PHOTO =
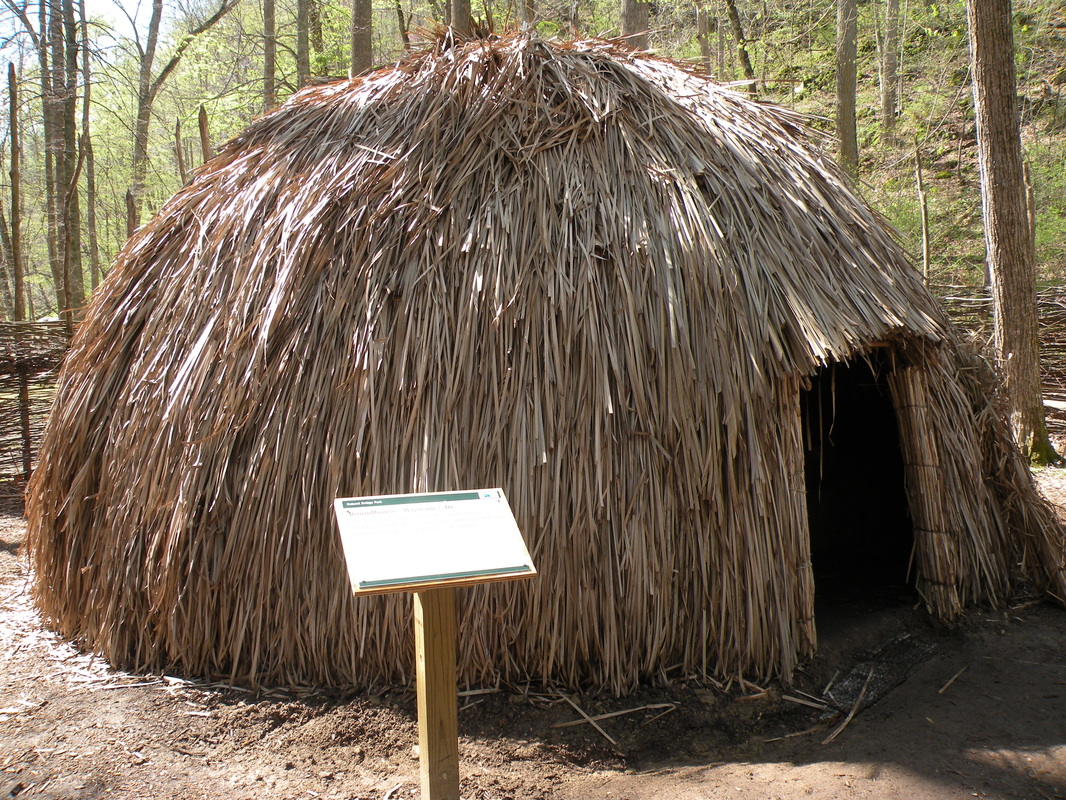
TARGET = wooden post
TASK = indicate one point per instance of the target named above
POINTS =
(205, 138)
(24, 420)
(179, 153)
(438, 728)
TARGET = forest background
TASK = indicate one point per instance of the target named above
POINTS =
(111, 107)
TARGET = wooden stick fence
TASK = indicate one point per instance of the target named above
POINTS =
(971, 308)
(30, 353)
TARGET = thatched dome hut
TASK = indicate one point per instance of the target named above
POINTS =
(642, 304)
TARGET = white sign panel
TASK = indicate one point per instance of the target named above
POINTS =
(416, 541)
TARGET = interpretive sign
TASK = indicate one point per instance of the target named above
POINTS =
(421, 541)
(429, 544)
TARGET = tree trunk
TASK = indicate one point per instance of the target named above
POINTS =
(889, 68)
(131, 214)
(144, 111)
(742, 43)
(179, 154)
(635, 23)
(51, 42)
(74, 158)
(303, 53)
(362, 42)
(402, 24)
(270, 52)
(18, 277)
(462, 23)
(527, 10)
(90, 161)
(703, 33)
(205, 134)
(7, 279)
(314, 28)
(847, 47)
(148, 89)
(1010, 250)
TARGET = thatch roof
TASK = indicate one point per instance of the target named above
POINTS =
(587, 276)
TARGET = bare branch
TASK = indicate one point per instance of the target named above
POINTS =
(226, 7)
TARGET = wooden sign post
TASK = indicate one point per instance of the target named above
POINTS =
(438, 724)
(430, 544)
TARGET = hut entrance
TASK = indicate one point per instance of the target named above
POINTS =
(860, 528)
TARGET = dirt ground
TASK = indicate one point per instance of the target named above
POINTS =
(978, 710)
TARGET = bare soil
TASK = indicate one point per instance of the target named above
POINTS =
(977, 710)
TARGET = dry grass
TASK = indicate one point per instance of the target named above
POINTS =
(588, 277)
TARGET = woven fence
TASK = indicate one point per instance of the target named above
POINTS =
(30, 353)
(971, 308)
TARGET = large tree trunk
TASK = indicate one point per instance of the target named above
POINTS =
(635, 23)
(1011, 252)
(362, 40)
(742, 43)
(847, 47)
(889, 68)
(461, 20)
(270, 51)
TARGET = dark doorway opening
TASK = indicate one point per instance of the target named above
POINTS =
(860, 526)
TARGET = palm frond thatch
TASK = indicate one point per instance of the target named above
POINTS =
(586, 276)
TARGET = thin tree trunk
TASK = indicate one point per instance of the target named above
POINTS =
(362, 52)
(1011, 254)
(635, 23)
(73, 156)
(527, 10)
(923, 206)
(889, 69)
(314, 28)
(721, 49)
(179, 153)
(703, 33)
(18, 277)
(51, 40)
(131, 214)
(205, 134)
(847, 51)
(7, 278)
(742, 43)
(270, 51)
(144, 111)
(303, 54)
(148, 89)
(402, 25)
(90, 161)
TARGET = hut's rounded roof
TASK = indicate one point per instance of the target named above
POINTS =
(586, 275)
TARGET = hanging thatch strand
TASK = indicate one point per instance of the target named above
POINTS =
(586, 276)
